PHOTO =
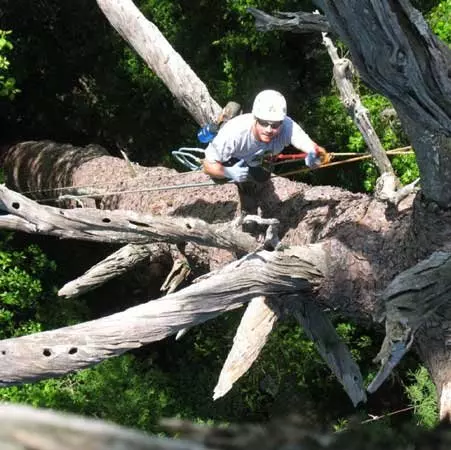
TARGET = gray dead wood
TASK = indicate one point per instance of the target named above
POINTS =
(388, 185)
(57, 352)
(300, 22)
(24, 427)
(114, 265)
(121, 226)
(157, 52)
(343, 71)
(406, 304)
(11, 222)
(333, 350)
(251, 336)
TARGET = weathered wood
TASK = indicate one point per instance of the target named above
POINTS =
(54, 353)
(121, 226)
(406, 304)
(24, 427)
(168, 65)
(112, 266)
(333, 350)
(251, 336)
(343, 75)
(299, 22)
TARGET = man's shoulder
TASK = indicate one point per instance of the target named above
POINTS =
(239, 124)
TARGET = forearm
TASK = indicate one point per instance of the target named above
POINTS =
(214, 169)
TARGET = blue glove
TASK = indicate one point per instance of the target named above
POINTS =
(312, 160)
(237, 172)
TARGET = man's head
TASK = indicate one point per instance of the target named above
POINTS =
(269, 110)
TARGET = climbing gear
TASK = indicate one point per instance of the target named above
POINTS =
(323, 155)
(270, 105)
(90, 191)
(207, 133)
(187, 157)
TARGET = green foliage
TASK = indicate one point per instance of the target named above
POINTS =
(7, 84)
(439, 20)
(423, 396)
(20, 288)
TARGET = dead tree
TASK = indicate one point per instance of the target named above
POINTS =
(350, 252)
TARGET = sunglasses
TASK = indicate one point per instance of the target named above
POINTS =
(267, 123)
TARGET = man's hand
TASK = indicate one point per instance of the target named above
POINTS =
(237, 172)
(323, 155)
(317, 157)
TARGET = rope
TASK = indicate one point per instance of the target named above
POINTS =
(133, 191)
(346, 161)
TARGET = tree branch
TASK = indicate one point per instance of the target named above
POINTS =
(157, 52)
(54, 353)
(112, 266)
(406, 304)
(298, 22)
(121, 226)
(251, 336)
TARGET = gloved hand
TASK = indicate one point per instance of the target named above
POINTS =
(312, 160)
(317, 157)
(323, 155)
(257, 158)
(238, 172)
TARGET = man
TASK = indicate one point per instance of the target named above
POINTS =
(237, 151)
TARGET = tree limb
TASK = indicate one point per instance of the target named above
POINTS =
(256, 325)
(54, 353)
(121, 226)
(112, 266)
(406, 304)
(333, 350)
(299, 22)
(157, 52)
(24, 427)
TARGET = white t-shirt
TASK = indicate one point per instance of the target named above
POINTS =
(236, 140)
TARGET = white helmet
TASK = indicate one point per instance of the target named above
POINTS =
(270, 105)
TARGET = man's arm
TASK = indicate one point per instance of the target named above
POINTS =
(238, 172)
(316, 154)
(213, 168)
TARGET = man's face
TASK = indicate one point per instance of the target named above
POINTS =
(266, 130)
